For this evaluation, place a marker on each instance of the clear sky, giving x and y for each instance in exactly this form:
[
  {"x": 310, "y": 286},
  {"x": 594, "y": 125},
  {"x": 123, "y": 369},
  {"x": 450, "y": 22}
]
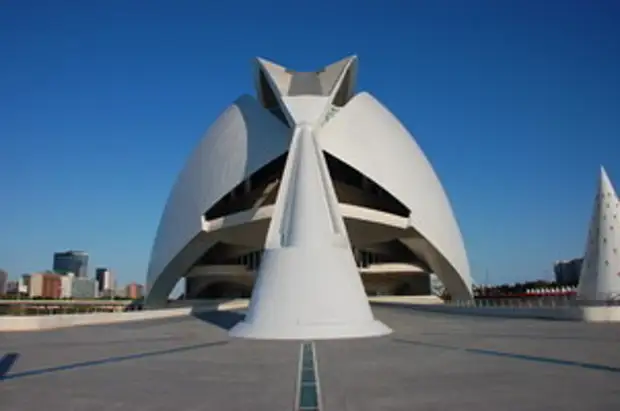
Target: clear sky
[{"x": 516, "y": 104}]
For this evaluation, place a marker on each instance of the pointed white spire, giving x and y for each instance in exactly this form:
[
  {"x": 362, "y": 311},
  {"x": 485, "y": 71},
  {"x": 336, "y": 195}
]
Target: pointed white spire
[
  {"x": 600, "y": 271},
  {"x": 308, "y": 286}
]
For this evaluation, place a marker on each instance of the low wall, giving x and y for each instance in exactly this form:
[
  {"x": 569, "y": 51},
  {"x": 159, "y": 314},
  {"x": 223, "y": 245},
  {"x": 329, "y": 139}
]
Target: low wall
[
  {"x": 567, "y": 313},
  {"x": 47, "y": 322},
  {"x": 198, "y": 304},
  {"x": 601, "y": 314},
  {"x": 407, "y": 299}
]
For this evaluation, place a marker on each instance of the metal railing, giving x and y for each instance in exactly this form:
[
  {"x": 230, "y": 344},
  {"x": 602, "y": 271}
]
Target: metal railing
[
  {"x": 564, "y": 301},
  {"x": 51, "y": 309}
]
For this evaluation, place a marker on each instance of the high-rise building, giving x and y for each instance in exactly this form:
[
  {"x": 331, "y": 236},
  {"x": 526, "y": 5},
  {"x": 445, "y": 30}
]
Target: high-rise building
[
  {"x": 567, "y": 272},
  {"x": 4, "y": 278},
  {"x": 134, "y": 291},
  {"x": 71, "y": 261},
  {"x": 24, "y": 284},
  {"x": 105, "y": 278},
  {"x": 12, "y": 287},
  {"x": 66, "y": 284}
]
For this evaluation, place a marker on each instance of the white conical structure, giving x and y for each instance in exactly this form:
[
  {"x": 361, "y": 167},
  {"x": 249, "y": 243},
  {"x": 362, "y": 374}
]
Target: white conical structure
[
  {"x": 600, "y": 271},
  {"x": 308, "y": 284}
]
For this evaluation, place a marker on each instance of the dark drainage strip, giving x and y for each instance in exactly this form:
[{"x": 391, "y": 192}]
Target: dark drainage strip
[{"x": 308, "y": 391}]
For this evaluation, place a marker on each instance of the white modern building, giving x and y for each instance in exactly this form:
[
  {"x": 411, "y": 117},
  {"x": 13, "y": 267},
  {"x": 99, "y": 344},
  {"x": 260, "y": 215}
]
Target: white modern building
[
  {"x": 307, "y": 164},
  {"x": 105, "y": 280},
  {"x": 66, "y": 285},
  {"x": 72, "y": 286},
  {"x": 24, "y": 284},
  {"x": 600, "y": 271},
  {"x": 84, "y": 288}
]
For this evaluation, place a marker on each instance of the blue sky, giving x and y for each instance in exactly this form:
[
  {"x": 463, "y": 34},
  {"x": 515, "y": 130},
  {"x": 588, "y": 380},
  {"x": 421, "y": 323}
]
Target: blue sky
[{"x": 516, "y": 103}]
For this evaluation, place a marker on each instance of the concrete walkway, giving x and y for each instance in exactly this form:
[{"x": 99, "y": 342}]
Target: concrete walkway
[{"x": 432, "y": 362}]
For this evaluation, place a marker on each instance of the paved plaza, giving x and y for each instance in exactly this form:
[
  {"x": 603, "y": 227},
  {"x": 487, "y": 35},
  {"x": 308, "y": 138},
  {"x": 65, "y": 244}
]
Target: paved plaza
[{"x": 433, "y": 361}]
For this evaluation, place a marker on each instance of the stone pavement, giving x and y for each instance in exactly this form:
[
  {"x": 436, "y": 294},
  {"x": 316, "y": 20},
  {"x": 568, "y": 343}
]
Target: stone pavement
[{"x": 432, "y": 362}]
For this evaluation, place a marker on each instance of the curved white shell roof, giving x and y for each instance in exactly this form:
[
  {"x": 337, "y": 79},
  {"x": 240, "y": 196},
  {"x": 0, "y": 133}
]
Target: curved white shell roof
[
  {"x": 363, "y": 134},
  {"x": 243, "y": 138}
]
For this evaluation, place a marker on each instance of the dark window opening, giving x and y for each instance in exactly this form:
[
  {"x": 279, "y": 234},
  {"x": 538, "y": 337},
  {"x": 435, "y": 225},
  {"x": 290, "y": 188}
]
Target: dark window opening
[
  {"x": 225, "y": 289},
  {"x": 213, "y": 255},
  {"x": 392, "y": 251},
  {"x": 352, "y": 187},
  {"x": 231, "y": 254},
  {"x": 258, "y": 190},
  {"x": 397, "y": 284}
]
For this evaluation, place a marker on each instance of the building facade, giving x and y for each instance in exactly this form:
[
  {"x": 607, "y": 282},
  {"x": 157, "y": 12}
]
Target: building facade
[
  {"x": 71, "y": 261},
  {"x": 567, "y": 272},
  {"x": 45, "y": 285},
  {"x": 84, "y": 288},
  {"x": 66, "y": 285},
  {"x": 12, "y": 288},
  {"x": 105, "y": 280},
  {"x": 4, "y": 279},
  {"x": 120, "y": 292},
  {"x": 134, "y": 291},
  {"x": 24, "y": 284}
]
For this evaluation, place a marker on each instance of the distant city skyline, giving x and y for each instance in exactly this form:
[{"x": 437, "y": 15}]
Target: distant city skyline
[
  {"x": 71, "y": 261},
  {"x": 515, "y": 104}
]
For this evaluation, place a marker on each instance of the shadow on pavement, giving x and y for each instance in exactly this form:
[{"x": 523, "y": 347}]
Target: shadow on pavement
[
  {"x": 222, "y": 319},
  {"x": 6, "y": 363},
  {"x": 102, "y": 361},
  {"x": 524, "y": 357}
]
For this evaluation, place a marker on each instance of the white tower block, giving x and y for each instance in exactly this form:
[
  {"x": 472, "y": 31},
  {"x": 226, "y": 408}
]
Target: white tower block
[
  {"x": 600, "y": 272},
  {"x": 308, "y": 284}
]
